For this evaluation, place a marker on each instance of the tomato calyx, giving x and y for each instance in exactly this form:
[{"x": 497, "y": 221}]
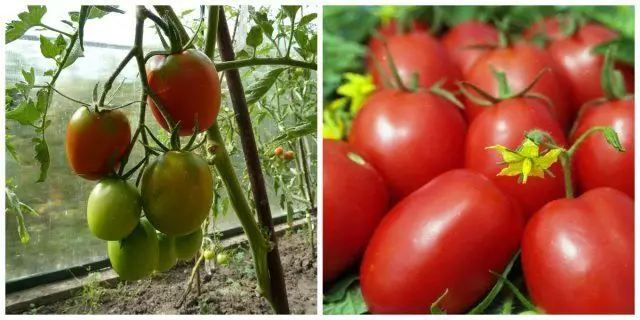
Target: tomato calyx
[
  {"x": 504, "y": 92},
  {"x": 175, "y": 144}
]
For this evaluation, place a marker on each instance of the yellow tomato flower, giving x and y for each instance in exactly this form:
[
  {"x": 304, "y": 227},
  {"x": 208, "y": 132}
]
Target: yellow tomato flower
[
  {"x": 357, "y": 88},
  {"x": 526, "y": 160},
  {"x": 332, "y": 128}
]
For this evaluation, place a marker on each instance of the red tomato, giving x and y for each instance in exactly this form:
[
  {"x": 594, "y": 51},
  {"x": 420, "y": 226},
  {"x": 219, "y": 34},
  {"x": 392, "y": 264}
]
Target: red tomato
[
  {"x": 577, "y": 254},
  {"x": 348, "y": 223},
  {"x": 505, "y": 124},
  {"x": 278, "y": 151},
  {"x": 95, "y": 140},
  {"x": 391, "y": 29},
  {"x": 550, "y": 27},
  {"x": 447, "y": 235},
  {"x": 597, "y": 164},
  {"x": 410, "y": 138},
  {"x": 468, "y": 33},
  {"x": 288, "y": 155},
  {"x": 414, "y": 53},
  {"x": 521, "y": 63},
  {"x": 582, "y": 68},
  {"x": 187, "y": 85}
]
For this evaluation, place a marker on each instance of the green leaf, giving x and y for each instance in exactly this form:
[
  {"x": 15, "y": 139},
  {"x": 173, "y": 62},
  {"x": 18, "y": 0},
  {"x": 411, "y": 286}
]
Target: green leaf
[
  {"x": 291, "y": 11},
  {"x": 28, "y": 19},
  {"x": 301, "y": 38},
  {"x": 350, "y": 299},
  {"x": 26, "y": 113},
  {"x": 267, "y": 28},
  {"x": 309, "y": 127},
  {"x": 618, "y": 18},
  {"x": 313, "y": 44},
  {"x": 48, "y": 48},
  {"x": 43, "y": 100},
  {"x": 490, "y": 297},
  {"x": 260, "y": 87},
  {"x": 624, "y": 52},
  {"x": 113, "y": 9},
  {"x": 94, "y": 13},
  {"x": 306, "y": 19},
  {"x": 435, "y": 306},
  {"x": 612, "y": 138},
  {"x": 10, "y": 148},
  {"x": 42, "y": 156},
  {"x": 84, "y": 15},
  {"x": 339, "y": 288},
  {"x": 76, "y": 52},
  {"x": 29, "y": 76},
  {"x": 254, "y": 37},
  {"x": 340, "y": 56}
]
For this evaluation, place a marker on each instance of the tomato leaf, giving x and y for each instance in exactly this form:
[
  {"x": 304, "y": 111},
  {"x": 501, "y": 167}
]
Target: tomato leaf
[
  {"x": 624, "y": 52},
  {"x": 345, "y": 297},
  {"x": 307, "y": 19},
  {"x": 262, "y": 86},
  {"x": 42, "y": 156},
  {"x": 94, "y": 13},
  {"x": 48, "y": 48},
  {"x": 254, "y": 37},
  {"x": 28, "y": 19},
  {"x": 117, "y": 10},
  {"x": 76, "y": 52},
  {"x": 10, "y": 148},
  {"x": 612, "y": 138},
  {"x": 26, "y": 113},
  {"x": 84, "y": 15},
  {"x": 291, "y": 11}
]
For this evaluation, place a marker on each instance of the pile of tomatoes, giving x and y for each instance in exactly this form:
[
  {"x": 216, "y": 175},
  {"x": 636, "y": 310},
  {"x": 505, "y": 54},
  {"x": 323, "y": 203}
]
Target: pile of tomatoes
[
  {"x": 176, "y": 190},
  {"x": 415, "y": 199}
]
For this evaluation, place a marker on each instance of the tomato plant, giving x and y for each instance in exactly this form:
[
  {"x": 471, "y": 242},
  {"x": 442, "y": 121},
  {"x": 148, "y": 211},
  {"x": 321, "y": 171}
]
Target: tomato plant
[
  {"x": 96, "y": 141},
  {"x": 348, "y": 225},
  {"x": 417, "y": 253}
]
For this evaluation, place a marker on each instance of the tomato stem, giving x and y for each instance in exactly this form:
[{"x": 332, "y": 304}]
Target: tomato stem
[
  {"x": 251, "y": 62},
  {"x": 565, "y": 161}
]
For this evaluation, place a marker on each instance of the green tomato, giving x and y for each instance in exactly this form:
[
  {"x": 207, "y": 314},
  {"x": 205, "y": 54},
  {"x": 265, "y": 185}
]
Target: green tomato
[
  {"x": 208, "y": 254},
  {"x": 135, "y": 256},
  {"x": 222, "y": 258},
  {"x": 187, "y": 246},
  {"x": 113, "y": 209},
  {"x": 167, "y": 258},
  {"x": 177, "y": 192}
]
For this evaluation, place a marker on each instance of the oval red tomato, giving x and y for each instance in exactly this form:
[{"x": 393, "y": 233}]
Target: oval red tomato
[
  {"x": 187, "y": 85},
  {"x": 465, "y": 34},
  {"x": 94, "y": 140},
  {"x": 391, "y": 29},
  {"x": 348, "y": 223},
  {"x": 414, "y": 53},
  {"x": 596, "y": 163},
  {"x": 550, "y": 28},
  {"x": 521, "y": 63},
  {"x": 505, "y": 124},
  {"x": 410, "y": 138},
  {"x": 448, "y": 235},
  {"x": 577, "y": 254},
  {"x": 583, "y": 68}
]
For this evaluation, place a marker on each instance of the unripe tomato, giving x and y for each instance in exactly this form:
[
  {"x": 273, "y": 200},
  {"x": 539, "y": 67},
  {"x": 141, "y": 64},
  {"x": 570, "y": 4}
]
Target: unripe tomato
[
  {"x": 222, "y": 258},
  {"x": 187, "y": 246},
  {"x": 167, "y": 258},
  {"x": 95, "y": 140},
  {"x": 208, "y": 254},
  {"x": 113, "y": 209},
  {"x": 187, "y": 85},
  {"x": 135, "y": 256}
]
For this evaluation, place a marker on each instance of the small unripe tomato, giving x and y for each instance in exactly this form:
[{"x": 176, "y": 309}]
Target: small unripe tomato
[
  {"x": 288, "y": 155},
  {"x": 208, "y": 254},
  {"x": 222, "y": 258},
  {"x": 278, "y": 151}
]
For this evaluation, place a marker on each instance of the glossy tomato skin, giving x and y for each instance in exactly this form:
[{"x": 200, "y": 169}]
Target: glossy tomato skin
[
  {"x": 577, "y": 254},
  {"x": 505, "y": 124},
  {"x": 414, "y": 53},
  {"x": 468, "y": 33},
  {"x": 549, "y": 27},
  {"x": 391, "y": 29},
  {"x": 596, "y": 163},
  {"x": 187, "y": 85},
  {"x": 582, "y": 68},
  {"x": 448, "y": 234},
  {"x": 177, "y": 192},
  {"x": 410, "y": 138},
  {"x": 521, "y": 63},
  {"x": 348, "y": 223},
  {"x": 96, "y": 139}
]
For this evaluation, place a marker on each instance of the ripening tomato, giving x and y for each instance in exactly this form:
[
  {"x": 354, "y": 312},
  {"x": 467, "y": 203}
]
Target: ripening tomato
[
  {"x": 410, "y": 138},
  {"x": 288, "y": 155},
  {"x": 505, "y": 124},
  {"x": 597, "y": 164},
  {"x": 414, "y": 53},
  {"x": 583, "y": 68},
  {"x": 577, "y": 254},
  {"x": 466, "y": 34},
  {"x": 188, "y": 86},
  {"x": 448, "y": 235},
  {"x": 521, "y": 63},
  {"x": 551, "y": 28},
  {"x": 348, "y": 224},
  {"x": 391, "y": 29},
  {"x": 96, "y": 140}
]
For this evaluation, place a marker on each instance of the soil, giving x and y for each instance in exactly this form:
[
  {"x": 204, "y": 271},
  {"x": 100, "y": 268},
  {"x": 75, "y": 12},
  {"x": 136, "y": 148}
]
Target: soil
[{"x": 227, "y": 289}]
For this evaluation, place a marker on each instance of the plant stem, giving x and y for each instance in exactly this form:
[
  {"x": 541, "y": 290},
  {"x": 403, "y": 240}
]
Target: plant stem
[
  {"x": 290, "y": 44},
  {"x": 243, "y": 118},
  {"x": 235, "y": 64},
  {"x": 55, "y": 30},
  {"x": 565, "y": 161},
  {"x": 114, "y": 75},
  {"x": 66, "y": 96},
  {"x": 305, "y": 171},
  {"x": 582, "y": 138}
]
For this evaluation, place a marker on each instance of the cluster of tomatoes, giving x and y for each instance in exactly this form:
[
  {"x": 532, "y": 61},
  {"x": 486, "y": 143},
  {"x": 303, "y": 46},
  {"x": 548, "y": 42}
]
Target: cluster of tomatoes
[
  {"x": 417, "y": 195},
  {"x": 176, "y": 187},
  {"x": 280, "y": 153}
]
